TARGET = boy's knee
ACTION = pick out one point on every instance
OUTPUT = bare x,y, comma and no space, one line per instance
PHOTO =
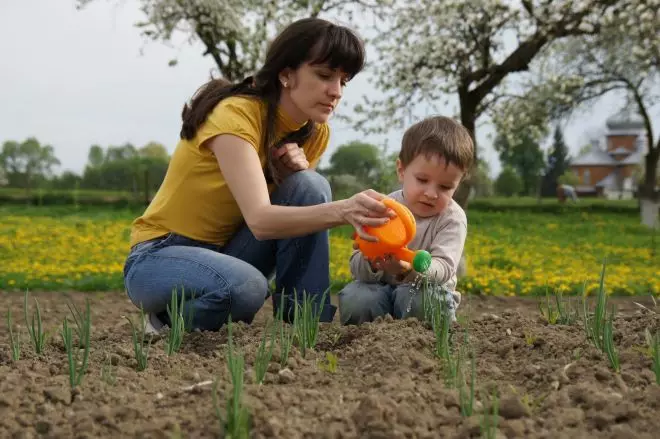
361,302
350,303
418,305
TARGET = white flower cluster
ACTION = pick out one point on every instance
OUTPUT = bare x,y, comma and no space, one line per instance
624,55
478,50
235,33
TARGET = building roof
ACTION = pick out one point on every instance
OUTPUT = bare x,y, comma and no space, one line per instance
636,158
594,157
625,119
620,150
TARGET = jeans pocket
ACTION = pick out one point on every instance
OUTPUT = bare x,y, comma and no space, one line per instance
142,249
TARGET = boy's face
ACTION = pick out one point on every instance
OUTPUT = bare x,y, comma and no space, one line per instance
428,184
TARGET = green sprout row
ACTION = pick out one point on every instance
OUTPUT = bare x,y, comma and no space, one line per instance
77,366
436,314
236,423
599,327
307,315
563,312
138,336
14,343
653,346
34,326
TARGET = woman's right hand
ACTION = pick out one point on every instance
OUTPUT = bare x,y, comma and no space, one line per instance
366,209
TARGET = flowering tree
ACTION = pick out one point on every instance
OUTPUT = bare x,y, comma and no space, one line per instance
235,33
467,48
574,73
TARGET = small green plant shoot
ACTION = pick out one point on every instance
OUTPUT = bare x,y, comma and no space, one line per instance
14,342
77,366
35,329
141,354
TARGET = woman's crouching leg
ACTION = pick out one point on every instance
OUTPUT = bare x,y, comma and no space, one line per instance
211,285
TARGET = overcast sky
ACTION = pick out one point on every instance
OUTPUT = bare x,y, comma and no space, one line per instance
76,78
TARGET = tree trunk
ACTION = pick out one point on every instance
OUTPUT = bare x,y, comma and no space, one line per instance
468,119
649,196
462,194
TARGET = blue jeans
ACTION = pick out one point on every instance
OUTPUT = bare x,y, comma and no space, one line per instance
361,302
232,280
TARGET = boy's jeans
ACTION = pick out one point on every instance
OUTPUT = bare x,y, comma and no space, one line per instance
361,302
233,279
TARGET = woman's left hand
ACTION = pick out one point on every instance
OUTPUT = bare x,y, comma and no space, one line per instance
290,158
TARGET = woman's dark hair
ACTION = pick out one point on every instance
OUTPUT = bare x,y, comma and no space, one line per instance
312,40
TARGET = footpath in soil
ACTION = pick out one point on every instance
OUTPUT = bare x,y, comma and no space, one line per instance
387,384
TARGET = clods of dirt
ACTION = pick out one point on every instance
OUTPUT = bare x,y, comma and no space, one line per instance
386,383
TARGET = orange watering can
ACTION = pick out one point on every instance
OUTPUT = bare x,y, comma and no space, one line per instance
393,238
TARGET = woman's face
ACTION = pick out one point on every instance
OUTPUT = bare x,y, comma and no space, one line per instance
312,92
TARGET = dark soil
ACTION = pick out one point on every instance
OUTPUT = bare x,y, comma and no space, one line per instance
552,383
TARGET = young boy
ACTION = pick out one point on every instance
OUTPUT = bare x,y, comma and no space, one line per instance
436,154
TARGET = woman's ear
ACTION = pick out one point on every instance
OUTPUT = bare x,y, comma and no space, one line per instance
285,78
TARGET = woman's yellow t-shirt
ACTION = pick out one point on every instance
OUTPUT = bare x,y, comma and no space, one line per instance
194,199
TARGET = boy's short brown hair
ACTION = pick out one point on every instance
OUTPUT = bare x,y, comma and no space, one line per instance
438,135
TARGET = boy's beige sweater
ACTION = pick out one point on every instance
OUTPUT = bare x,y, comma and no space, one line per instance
442,235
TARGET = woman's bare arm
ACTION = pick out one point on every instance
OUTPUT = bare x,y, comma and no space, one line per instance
242,171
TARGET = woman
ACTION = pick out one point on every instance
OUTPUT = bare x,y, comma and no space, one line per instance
241,197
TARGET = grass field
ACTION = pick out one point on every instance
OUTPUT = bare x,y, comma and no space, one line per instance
510,252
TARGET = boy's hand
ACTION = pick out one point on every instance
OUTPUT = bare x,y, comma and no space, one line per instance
392,266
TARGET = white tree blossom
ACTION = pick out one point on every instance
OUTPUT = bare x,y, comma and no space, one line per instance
235,33
467,48
574,73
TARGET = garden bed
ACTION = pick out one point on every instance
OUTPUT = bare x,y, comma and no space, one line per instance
549,379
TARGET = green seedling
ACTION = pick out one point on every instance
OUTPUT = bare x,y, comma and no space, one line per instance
108,373
563,312
594,325
466,395
35,328
330,363
599,328
79,321
237,424
489,421
550,314
176,432
451,366
530,338
77,366
577,354
14,342
608,342
437,316
264,355
178,324
306,321
141,355
531,403
654,346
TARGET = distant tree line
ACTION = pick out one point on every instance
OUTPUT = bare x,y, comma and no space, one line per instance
352,167
29,165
